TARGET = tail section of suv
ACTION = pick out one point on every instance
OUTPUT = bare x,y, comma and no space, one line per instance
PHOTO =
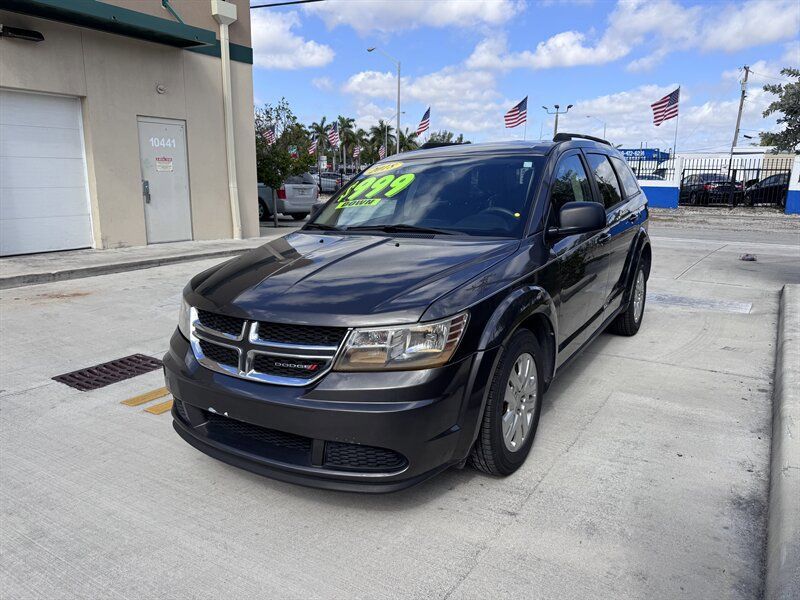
417,320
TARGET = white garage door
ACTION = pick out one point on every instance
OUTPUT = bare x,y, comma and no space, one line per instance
44,202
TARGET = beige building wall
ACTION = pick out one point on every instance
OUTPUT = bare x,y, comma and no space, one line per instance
116,78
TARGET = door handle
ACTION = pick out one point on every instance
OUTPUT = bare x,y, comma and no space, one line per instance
146,190
603,237
633,218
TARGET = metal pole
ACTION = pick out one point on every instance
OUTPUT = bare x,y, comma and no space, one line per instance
555,127
225,14
397,133
741,107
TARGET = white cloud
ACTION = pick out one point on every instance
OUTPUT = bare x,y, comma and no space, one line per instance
657,27
275,46
707,126
738,26
460,99
323,83
382,16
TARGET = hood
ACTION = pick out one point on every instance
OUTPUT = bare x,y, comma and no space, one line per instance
343,280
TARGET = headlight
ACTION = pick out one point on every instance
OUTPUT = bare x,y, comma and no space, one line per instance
185,319
404,347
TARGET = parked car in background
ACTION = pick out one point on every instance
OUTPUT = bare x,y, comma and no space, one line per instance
294,198
710,188
329,182
770,190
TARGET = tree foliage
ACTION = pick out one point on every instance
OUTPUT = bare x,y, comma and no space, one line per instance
787,105
275,164
447,137
273,161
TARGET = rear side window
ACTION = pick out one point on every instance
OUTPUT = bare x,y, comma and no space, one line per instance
571,183
629,185
610,190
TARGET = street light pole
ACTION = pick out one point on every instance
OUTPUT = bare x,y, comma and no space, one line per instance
600,121
556,113
397,62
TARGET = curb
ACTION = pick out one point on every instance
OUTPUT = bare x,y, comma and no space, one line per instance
783,522
81,272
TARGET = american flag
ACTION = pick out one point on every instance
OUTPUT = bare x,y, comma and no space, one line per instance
517,115
382,152
312,149
666,108
356,152
333,135
425,123
269,135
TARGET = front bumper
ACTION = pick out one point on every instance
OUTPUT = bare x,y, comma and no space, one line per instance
428,418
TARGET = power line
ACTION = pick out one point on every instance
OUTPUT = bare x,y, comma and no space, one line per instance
287,3
786,79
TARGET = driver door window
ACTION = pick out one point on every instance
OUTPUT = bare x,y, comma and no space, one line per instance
570,184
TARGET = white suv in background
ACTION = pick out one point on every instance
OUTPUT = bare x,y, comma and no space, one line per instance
294,198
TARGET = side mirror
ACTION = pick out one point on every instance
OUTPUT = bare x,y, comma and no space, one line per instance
579,217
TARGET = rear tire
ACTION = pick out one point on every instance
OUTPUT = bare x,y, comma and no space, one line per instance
299,216
513,407
628,322
263,211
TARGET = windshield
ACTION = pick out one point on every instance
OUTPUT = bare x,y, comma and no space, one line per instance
472,195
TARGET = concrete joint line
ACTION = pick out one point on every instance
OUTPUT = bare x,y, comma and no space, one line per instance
699,260
783,525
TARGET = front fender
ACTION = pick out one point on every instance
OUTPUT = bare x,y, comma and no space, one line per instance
516,308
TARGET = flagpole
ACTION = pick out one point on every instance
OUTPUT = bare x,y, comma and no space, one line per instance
525,131
677,118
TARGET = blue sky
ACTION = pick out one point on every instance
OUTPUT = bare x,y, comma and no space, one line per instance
471,60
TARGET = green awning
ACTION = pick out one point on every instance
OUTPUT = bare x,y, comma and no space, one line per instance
113,19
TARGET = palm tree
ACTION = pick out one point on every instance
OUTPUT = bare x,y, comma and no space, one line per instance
345,135
408,140
361,140
382,134
318,129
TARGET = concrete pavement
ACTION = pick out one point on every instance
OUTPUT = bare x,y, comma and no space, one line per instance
648,477
29,269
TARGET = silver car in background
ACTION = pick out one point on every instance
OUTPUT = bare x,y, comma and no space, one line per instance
294,198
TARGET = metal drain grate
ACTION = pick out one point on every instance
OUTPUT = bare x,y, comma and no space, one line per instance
111,372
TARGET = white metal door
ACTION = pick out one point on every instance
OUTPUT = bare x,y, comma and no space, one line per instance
44,197
165,180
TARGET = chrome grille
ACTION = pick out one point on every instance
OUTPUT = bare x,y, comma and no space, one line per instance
280,354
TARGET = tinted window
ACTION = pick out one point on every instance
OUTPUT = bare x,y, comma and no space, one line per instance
570,184
474,195
610,191
627,178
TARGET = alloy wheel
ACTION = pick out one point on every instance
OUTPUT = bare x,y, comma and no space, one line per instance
519,402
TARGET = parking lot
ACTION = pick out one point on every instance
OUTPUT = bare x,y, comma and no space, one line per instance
648,476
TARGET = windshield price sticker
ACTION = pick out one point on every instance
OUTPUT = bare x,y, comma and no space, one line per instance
383,168
375,188
357,203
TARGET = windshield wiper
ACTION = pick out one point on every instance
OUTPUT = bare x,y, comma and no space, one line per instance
322,226
400,228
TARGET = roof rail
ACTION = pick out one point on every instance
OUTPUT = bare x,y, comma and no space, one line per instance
565,137
427,145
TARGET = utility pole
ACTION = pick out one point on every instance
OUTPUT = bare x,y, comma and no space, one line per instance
556,113
741,107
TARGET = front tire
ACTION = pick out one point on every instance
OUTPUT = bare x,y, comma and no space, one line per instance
299,216
513,407
628,322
